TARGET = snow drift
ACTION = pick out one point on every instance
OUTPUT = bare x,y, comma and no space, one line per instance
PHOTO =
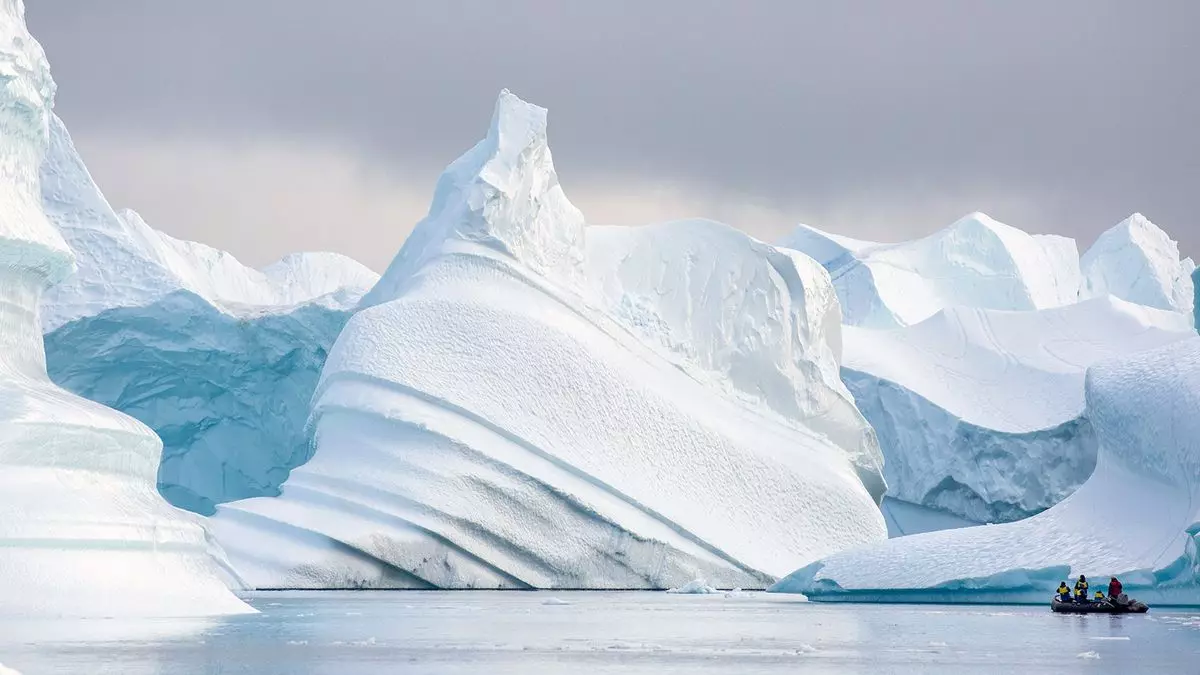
1135,517
82,530
528,402
221,360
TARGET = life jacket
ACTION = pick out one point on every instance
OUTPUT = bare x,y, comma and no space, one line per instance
1099,595
1081,586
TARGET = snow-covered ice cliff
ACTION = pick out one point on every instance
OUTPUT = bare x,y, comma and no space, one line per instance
979,405
221,360
1136,516
83,532
528,402
980,412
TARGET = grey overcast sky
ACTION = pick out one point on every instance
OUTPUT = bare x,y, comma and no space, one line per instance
269,126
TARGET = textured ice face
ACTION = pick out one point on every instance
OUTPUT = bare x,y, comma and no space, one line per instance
221,360
760,322
26,95
501,195
506,414
1135,517
1136,261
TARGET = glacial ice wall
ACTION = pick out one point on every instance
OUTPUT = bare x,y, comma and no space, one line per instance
221,360
82,530
1135,517
508,412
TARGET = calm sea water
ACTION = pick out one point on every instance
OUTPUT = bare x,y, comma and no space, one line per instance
361,633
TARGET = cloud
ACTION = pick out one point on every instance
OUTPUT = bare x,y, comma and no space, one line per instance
1063,116
262,197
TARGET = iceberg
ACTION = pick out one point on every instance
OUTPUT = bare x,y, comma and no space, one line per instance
1138,262
524,401
82,530
1135,517
966,351
220,359
975,262
980,413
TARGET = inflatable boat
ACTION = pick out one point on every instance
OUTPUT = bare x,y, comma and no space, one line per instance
1102,607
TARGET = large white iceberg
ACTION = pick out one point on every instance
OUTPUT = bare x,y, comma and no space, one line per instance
966,351
529,402
975,262
1136,261
220,359
82,530
980,413
1136,517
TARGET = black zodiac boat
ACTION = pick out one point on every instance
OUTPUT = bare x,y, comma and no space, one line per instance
1129,606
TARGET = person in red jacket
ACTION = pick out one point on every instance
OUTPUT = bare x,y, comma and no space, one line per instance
1114,588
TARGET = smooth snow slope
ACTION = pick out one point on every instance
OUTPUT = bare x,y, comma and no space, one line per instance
82,530
221,360
980,412
490,420
1136,517
975,262
1138,262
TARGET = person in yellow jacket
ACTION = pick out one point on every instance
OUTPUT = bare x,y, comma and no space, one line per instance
1063,593
1081,589
1099,597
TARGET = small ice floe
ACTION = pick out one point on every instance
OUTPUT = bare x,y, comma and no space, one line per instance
806,649
1088,655
693,587
555,601
1110,637
8,671
297,643
938,644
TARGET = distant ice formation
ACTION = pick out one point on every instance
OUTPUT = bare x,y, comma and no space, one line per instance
1136,517
82,530
528,402
221,360
975,262
980,412
966,351
1138,262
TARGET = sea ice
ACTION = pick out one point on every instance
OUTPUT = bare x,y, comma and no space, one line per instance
524,401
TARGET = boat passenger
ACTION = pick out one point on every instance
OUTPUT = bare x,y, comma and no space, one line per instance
1081,588
1099,597
1063,593
1114,588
